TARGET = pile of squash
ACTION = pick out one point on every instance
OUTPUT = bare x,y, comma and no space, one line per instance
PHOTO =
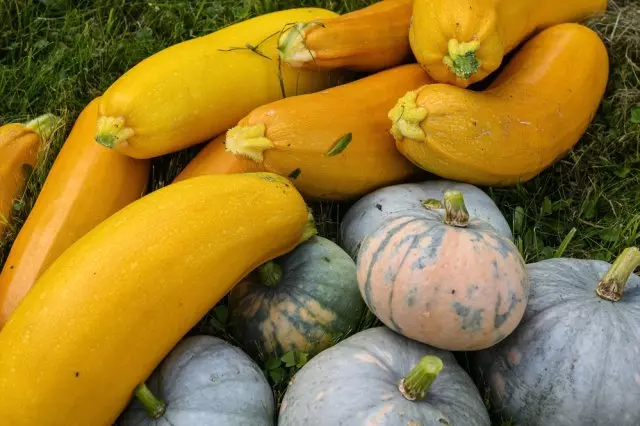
104,282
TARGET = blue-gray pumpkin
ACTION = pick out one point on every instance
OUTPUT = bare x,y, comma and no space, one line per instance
303,301
373,210
575,358
378,377
204,381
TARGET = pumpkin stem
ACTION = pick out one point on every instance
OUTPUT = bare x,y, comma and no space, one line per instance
417,383
44,125
270,273
292,48
111,131
406,116
611,286
248,141
154,406
456,213
462,59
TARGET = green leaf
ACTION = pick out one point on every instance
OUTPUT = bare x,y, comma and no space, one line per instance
547,207
589,210
222,314
547,252
303,358
340,145
611,235
635,115
623,171
294,174
277,375
289,359
272,363
565,243
518,220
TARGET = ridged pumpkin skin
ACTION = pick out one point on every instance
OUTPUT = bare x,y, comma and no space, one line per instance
356,382
371,211
113,305
19,147
315,303
86,184
532,114
574,359
453,288
175,98
205,381
369,39
292,136
477,34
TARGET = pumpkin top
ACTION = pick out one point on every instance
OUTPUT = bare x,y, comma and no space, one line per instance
612,285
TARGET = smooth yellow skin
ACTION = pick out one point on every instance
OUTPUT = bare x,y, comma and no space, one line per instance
194,90
111,307
490,28
532,114
86,184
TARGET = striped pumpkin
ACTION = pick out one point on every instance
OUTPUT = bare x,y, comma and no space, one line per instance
442,278
303,301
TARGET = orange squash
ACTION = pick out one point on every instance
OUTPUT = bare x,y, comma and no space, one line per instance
530,116
463,41
19,148
333,144
86,184
369,39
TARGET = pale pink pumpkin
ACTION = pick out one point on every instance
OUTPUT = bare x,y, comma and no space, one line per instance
442,278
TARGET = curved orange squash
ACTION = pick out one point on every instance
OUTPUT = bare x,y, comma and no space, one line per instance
19,148
86,184
443,278
369,39
333,144
463,41
533,114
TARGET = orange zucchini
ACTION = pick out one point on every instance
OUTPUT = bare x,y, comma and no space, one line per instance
530,116
20,145
86,184
463,41
369,39
333,144
112,306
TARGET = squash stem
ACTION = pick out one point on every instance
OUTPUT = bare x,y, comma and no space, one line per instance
248,141
44,125
456,213
154,406
270,273
612,285
292,47
406,117
417,383
462,59
310,229
111,131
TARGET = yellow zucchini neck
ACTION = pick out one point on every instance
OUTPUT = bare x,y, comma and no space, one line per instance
248,141
292,47
111,131
406,117
462,59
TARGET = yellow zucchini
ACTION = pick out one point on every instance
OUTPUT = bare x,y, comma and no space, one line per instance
197,89
111,307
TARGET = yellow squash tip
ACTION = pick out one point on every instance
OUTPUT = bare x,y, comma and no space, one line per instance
111,131
406,116
44,125
292,48
462,58
310,229
248,141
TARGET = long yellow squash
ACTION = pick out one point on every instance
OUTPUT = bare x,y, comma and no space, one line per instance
533,113
333,144
463,41
86,184
368,39
110,308
197,89
19,148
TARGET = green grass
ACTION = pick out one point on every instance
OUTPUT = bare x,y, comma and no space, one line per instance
56,55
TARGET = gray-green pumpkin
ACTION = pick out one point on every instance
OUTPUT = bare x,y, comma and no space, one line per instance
380,206
575,358
303,301
378,377
204,381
